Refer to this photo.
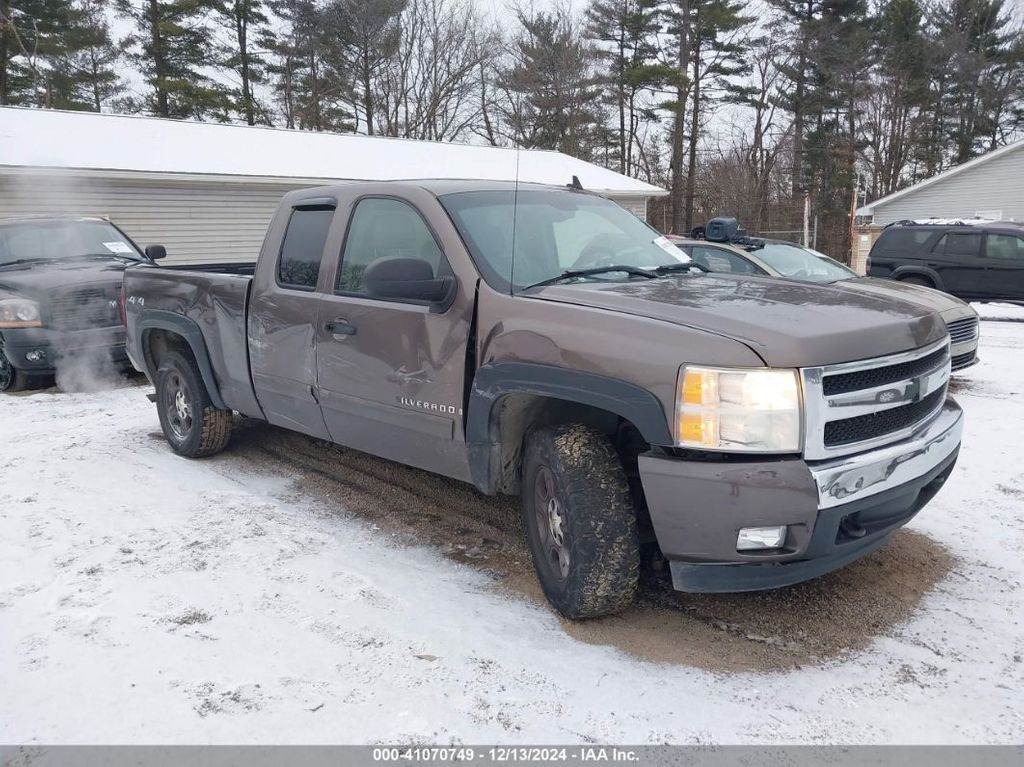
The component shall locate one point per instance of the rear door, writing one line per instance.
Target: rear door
(392, 373)
(1003, 258)
(283, 315)
(957, 259)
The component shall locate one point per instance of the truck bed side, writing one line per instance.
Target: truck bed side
(204, 309)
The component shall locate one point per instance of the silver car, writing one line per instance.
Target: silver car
(779, 258)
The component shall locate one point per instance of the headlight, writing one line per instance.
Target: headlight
(753, 410)
(19, 313)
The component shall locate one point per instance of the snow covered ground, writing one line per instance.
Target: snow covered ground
(149, 599)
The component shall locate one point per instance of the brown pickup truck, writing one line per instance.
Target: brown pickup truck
(543, 342)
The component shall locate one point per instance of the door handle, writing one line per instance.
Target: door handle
(340, 327)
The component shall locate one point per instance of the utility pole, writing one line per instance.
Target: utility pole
(807, 219)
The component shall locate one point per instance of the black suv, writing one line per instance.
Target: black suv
(973, 261)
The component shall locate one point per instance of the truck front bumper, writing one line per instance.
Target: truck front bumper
(40, 351)
(835, 511)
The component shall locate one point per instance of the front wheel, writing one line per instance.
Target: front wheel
(580, 521)
(190, 422)
(11, 379)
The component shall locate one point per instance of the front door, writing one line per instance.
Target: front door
(391, 373)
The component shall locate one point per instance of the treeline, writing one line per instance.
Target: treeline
(753, 109)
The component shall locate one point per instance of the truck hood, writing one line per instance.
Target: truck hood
(787, 323)
(36, 280)
(950, 307)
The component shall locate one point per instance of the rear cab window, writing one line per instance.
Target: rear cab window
(302, 248)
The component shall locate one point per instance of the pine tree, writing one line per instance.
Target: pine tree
(310, 77)
(627, 31)
(246, 22)
(716, 59)
(551, 86)
(174, 49)
(84, 65)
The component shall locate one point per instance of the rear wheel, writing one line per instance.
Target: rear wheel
(11, 379)
(580, 521)
(914, 279)
(190, 422)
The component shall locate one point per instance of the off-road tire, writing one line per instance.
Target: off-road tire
(913, 279)
(598, 521)
(11, 379)
(208, 429)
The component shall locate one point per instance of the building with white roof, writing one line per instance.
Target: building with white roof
(207, 190)
(989, 187)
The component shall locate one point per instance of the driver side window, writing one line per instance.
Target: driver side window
(383, 227)
(573, 235)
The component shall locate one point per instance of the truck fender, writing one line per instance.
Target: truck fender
(921, 271)
(494, 381)
(153, 319)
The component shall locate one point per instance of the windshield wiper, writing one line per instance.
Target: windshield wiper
(568, 274)
(680, 267)
(106, 255)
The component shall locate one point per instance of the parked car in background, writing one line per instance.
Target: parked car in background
(974, 260)
(543, 342)
(780, 258)
(60, 288)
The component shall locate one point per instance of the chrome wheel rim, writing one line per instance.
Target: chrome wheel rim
(178, 406)
(549, 518)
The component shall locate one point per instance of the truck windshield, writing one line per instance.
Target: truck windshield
(555, 231)
(52, 240)
(802, 263)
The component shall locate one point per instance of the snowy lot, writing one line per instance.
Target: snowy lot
(292, 592)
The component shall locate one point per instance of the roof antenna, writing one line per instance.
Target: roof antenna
(576, 184)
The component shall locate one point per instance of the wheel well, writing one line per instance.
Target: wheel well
(915, 274)
(158, 342)
(515, 415)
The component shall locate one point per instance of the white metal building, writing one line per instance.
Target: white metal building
(990, 186)
(207, 190)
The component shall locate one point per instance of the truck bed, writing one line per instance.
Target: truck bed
(219, 267)
(209, 300)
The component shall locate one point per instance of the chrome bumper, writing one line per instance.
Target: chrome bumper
(853, 477)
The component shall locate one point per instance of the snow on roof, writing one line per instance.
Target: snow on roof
(869, 209)
(41, 138)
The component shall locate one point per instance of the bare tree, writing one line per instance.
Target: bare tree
(431, 87)
(370, 33)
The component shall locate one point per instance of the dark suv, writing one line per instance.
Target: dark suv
(973, 261)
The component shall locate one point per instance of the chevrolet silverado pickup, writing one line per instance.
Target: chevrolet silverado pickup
(543, 342)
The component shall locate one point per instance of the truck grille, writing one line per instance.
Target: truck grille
(860, 405)
(872, 425)
(89, 307)
(865, 379)
(963, 330)
(965, 360)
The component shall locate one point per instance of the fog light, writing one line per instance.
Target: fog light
(35, 355)
(760, 538)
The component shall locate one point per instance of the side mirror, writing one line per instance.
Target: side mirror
(407, 279)
(156, 252)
